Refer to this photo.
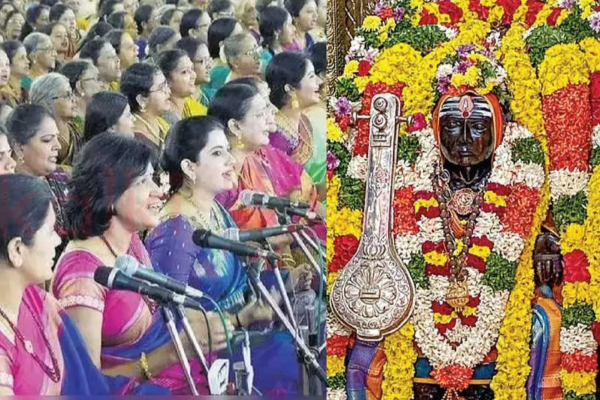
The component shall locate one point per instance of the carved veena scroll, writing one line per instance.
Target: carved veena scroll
(374, 294)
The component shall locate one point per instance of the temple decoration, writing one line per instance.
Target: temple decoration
(531, 66)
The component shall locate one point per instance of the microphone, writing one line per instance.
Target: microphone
(132, 268)
(256, 235)
(250, 198)
(114, 279)
(205, 238)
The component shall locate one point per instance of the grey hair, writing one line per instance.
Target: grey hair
(34, 41)
(46, 88)
(233, 45)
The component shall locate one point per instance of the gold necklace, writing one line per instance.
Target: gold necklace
(208, 220)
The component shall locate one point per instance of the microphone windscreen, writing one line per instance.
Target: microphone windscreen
(127, 264)
(102, 275)
(231, 234)
(200, 237)
(246, 197)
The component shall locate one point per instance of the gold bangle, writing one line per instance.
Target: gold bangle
(144, 366)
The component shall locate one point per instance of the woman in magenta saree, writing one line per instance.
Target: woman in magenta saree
(112, 199)
(200, 145)
(41, 350)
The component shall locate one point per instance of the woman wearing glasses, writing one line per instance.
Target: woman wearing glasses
(42, 55)
(243, 56)
(83, 78)
(54, 93)
(105, 58)
(148, 95)
(181, 77)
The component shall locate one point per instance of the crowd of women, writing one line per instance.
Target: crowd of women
(124, 128)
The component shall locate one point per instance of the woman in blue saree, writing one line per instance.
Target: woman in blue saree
(200, 166)
(41, 350)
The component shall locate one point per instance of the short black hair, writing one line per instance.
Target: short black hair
(106, 8)
(103, 112)
(24, 122)
(217, 6)
(142, 14)
(158, 37)
(91, 50)
(232, 102)
(167, 61)
(49, 3)
(272, 19)
(11, 47)
(190, 21)
(137, 80)
(27, 200)
(117, 19)
(318, 56)
(33, 12)
(57, 11)
(185, 141)
(97, 31)
(218, 31)
(295, 6)
(115, 37)
(287, 68)
(165, 18)
(190, 45)
(73, 70)
(103, 170)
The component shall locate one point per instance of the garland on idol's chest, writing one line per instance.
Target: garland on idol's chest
(474, 293)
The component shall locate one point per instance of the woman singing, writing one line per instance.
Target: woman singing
(41, 350)
(200, 166)
(113, 198)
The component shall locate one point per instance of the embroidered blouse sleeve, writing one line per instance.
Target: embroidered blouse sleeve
(74, 284)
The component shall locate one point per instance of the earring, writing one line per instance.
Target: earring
(142, 108)
(295, 103)
(20, 159)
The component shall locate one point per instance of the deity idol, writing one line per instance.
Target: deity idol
(467, 238)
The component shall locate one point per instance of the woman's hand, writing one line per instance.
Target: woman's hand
(255, 311)
(280, 242)
(218, 332)
(300, 278)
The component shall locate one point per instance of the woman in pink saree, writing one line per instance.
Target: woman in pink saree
(41, 350)
(112, 199)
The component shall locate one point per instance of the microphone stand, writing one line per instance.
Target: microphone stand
(284, 219)
(169, 318)
(192, 337)
(283, 291)
(316, 247)
(308, 357)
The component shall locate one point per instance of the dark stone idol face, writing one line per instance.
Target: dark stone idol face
(466, 130)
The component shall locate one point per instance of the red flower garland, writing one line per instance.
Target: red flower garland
(520, 208)
(595, 97)
(344, 248)
(575, 265)
(337, 345)
(453, 376)
(559, 108)
(404, 216)
(533, 8)
(481, 11)
(579, 362)
(452, 10)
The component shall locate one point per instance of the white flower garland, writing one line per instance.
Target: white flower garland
(577, 337)
(474, 342)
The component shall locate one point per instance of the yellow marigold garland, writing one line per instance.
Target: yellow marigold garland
(558, 59)
(513, 344)
(399, 371)
(592, 238)
(591, 48)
